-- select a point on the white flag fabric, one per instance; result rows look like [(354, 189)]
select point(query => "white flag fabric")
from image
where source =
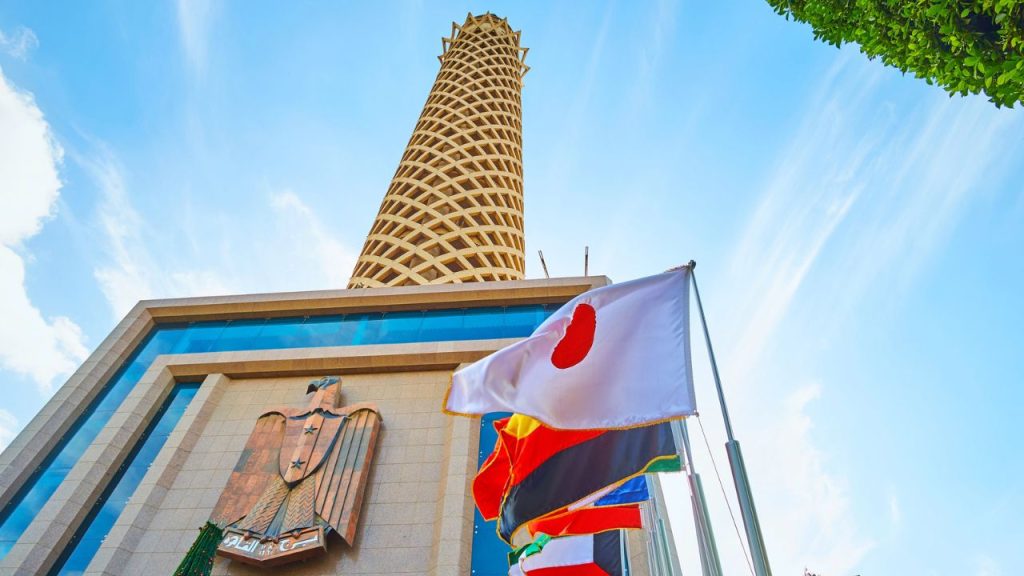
[(591, 554), (613, 357)]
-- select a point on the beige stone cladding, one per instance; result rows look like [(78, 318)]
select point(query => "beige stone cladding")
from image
[(405, 506), (418, 513), (454, 210)]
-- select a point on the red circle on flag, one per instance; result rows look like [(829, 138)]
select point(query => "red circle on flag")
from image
[(578, 339)]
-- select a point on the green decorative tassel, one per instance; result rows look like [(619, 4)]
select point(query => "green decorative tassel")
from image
[(199, 559)]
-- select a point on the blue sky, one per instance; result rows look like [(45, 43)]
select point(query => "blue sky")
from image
[(859, 234)]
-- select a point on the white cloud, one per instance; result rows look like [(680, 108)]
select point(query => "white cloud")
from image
[(19, 43), (807, 198), (313, 246), (9, 427), (803, 506), (878, 189), (816, 527), (133, 272), (986, 566), (29, 156), (292, 250), (194, 20), (30, 344), (895, 512)]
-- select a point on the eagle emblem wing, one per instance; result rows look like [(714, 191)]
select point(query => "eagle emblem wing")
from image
[(301, 475), (342, 479), (255, 469)]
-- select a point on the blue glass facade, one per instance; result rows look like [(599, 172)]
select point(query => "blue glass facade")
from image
[(259, 334), (490, 554), (105, 511)]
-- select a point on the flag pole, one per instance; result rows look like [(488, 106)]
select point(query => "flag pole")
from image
[(665, 560), (709, 561), (739, 471)]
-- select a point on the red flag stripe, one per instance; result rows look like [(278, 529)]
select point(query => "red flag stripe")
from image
[(588, 520)]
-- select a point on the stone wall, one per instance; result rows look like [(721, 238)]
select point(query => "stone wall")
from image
[(409, 498)]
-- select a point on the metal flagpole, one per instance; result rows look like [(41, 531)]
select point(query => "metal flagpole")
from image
[(732, 447), (623, 561), (710, 563), (663, 561), (655, 562)]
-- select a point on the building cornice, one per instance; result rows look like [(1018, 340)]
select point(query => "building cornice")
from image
[(322, 302)]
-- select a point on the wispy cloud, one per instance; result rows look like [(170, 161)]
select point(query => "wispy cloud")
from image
[(863, 192), (662, 22), (9, 427), (820, 176), (42, 348), (195, 18), (132, 272), (314, 247), (567, 149), (290, 249), (816, 528), (895, 513), (19, 43), (985, 566)]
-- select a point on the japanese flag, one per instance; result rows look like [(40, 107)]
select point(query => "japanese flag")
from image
[(614, 357)]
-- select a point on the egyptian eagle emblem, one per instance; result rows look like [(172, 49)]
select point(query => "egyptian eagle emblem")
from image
[(302, 475)]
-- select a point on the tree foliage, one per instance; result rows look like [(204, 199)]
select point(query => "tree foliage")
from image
[(965, 46)]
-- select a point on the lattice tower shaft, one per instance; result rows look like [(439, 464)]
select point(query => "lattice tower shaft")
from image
[(454, 210)]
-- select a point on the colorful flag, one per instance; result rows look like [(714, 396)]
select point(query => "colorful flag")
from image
[(614, 357), (588, 520), (611, 509), (588, 555), (535, 470)]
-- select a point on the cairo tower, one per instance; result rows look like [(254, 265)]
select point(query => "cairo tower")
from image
[(307, 426)]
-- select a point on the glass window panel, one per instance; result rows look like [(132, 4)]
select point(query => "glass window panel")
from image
[(321, 331), (113, 503), (163, 341), (126, 485), (440, 325), (400, 327), (32, 501), (134, 370), (199, 337), (79, 559), (164, 428), (84, 436), (76, 445), (520, 321), (166, 425), (123, 384), (239, 335), (353, 329), (279, 333), (368, 329), (349, 328), (43, 488), (481, 323), (186, 391), (104, 521), (18, 521), (151, 448)]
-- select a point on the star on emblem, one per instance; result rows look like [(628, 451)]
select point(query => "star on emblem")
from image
[(298, 463), (309, 429)]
